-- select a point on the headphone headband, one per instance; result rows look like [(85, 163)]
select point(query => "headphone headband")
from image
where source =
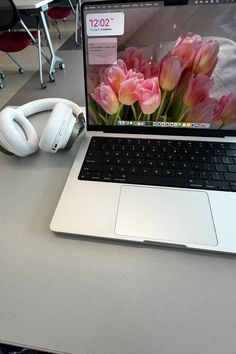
[(47, 104)]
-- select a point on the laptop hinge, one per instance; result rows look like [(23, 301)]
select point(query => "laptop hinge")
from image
[(175, 2)]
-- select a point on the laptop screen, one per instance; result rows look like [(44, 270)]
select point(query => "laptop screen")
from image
[(157, 67)]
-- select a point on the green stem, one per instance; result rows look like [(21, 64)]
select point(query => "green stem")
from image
[(148, 117), (181, 114), (140, 115), (117, 116), (134, 112), (162, 105), (170, 101)]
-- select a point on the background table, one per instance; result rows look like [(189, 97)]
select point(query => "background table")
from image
[(75, 295), (42, 6)]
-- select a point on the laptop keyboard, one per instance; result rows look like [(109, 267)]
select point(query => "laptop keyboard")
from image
[(174, 163)]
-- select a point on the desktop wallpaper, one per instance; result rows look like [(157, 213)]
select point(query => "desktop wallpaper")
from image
[(162, 66)]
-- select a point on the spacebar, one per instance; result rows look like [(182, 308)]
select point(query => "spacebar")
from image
[(157, 181)]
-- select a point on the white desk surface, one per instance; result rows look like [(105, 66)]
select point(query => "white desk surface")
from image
[(74, 295), (30, 4)]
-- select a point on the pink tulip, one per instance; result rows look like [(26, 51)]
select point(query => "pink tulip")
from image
[(116, 74), (198, 89), (203, 112), (149, 69), (134, 75), (106, 98), (186, 48), (206, 58), (132, 58), (128, 92), (170, 72), (227, 107), (149, 95), (128, 89)]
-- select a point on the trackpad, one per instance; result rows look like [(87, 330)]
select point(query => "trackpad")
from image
[(159, 214)]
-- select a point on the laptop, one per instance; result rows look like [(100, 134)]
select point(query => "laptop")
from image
[(157, 164)]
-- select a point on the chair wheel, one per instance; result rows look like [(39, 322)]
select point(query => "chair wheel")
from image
[(62, 66), (60, 36), (21, 70), (1, 86), (3, 76), (51, 77), (43, 85)]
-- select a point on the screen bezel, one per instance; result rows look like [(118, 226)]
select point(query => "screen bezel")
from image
[(134, 129)]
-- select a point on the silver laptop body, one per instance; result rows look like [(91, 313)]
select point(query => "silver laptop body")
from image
[(163, 73)]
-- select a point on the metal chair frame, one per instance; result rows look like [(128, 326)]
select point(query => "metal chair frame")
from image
[(15, 20)]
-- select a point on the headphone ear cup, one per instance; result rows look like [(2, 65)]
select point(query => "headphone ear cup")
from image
[(17, 135), (58, 128)]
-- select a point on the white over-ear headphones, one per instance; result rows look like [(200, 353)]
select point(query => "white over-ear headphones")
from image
[(18, 136)]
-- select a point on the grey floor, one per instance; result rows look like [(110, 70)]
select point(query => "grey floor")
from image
[(68, 84)]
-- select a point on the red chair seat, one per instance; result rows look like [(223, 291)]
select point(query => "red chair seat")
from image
[(15, 41), (59, 13)]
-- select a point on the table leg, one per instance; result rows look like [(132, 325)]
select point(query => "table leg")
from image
[(54, 57), (77, 23)]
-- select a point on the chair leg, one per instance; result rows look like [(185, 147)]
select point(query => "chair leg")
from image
[(21, 70), (72, 7), (57, 28)]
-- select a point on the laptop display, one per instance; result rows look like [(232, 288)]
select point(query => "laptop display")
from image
[(155, 68)]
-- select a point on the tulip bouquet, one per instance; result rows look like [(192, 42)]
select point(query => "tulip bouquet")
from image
[(177, 89)]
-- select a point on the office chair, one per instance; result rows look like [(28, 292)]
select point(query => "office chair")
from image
[(59, 13), (12, 41)]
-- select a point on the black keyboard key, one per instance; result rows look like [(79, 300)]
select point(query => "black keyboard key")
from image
[(108, 177), (84, 175), (157, 172), (233, 186), (230, 177), (119, 178), (95, 176), (217, 176), (223, 186), (231, 153), (231, 168), (221, 168), (197, 166), (205, 175), (215, 159), (210, 184), (227, 160), (196, 183), (180, 173), (208, 167), (144, 171), (193, 174), (168, 173), (232, 146), (220, 152)]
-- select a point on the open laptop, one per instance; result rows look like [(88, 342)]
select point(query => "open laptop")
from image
[(158, 161)]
